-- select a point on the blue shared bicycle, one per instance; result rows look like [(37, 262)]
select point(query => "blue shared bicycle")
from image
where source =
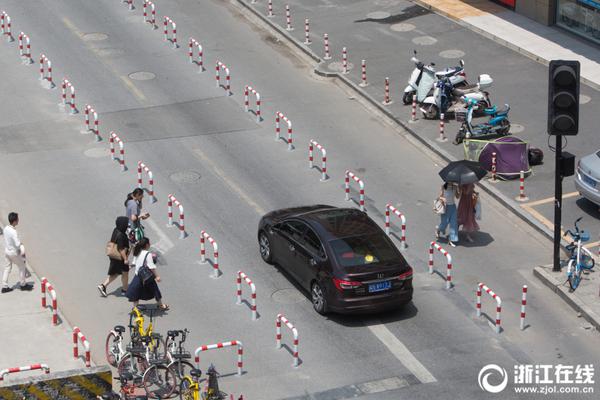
[(580, 258)]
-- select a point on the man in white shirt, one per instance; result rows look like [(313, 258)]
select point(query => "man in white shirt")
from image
[(14, 252)]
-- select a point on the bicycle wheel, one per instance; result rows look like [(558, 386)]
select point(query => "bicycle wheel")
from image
[(135, 365), (113, 354), (159, 382), (186, 389), (181, 368), (586, 260), (573, 275)]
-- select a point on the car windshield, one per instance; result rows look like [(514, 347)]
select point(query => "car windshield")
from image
[(363, 250)]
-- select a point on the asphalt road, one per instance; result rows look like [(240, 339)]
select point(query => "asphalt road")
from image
[(227, 170)]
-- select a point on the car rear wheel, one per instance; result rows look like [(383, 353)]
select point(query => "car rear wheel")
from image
[(318, 298), (265, 248)]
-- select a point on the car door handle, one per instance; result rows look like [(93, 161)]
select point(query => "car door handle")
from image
[(291, 247)]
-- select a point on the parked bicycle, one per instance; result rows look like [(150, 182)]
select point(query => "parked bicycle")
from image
[(189, 388), (177, 354), (138, 331), (114, 349), (580, 258)]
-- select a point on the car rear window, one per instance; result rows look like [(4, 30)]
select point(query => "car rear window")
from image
[(364, 250)]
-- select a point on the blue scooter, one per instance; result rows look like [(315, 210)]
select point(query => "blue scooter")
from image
[(497, 125)]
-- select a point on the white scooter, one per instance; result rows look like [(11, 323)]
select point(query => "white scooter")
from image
[(446, 97), (423, 77)]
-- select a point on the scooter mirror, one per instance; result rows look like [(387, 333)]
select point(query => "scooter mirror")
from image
[(432, 64), (462, 63), (415, 52)]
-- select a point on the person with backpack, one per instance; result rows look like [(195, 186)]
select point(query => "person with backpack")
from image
[(133, 211), (119, 257), (144, 285)]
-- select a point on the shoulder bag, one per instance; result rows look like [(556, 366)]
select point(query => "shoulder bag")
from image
[(145, 273), (439, 207), (113, 252)]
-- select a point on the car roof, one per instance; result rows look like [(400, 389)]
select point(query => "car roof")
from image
[(334, 223)]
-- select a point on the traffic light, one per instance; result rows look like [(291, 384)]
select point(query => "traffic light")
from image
[(563, 97)]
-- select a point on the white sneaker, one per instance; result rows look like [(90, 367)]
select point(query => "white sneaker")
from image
[(453, 244), (102, 290)]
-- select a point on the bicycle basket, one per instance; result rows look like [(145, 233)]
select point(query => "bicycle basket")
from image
[(460, 114), (181, 354)]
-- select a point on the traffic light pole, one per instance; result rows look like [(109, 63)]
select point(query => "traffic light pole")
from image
[(557, 203)]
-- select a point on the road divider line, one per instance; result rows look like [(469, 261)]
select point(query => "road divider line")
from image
[(164, 243), (401, 352), (549, 200)]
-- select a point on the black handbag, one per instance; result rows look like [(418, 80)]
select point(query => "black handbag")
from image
[(144, 273)]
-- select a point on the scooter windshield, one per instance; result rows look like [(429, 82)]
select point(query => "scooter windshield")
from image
[(425, 86)]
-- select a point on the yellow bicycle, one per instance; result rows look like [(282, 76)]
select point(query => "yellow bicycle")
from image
[(189, 388), (138, 331)]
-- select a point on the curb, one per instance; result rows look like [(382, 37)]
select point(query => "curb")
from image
[(495, 38), (504, 200), (548, 278)]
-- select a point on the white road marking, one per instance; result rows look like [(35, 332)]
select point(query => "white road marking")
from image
[(398, 349), (164, 244)]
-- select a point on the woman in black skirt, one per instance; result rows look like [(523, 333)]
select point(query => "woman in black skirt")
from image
[(145, 291), (118, 267)]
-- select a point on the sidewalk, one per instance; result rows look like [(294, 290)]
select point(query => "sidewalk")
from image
[(28, 336), (542, 43)]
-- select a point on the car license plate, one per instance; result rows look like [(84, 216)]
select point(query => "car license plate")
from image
[(589, 181), (379, 286)]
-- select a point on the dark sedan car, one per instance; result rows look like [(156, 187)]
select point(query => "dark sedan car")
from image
[(340, 255)]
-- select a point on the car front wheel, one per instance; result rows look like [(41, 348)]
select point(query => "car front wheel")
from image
[(318, 298), (265, 248)]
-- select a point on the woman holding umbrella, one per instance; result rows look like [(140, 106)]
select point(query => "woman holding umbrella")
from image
[(457, 173)]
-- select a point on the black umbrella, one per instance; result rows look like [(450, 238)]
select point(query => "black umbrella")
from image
[(463, 172)]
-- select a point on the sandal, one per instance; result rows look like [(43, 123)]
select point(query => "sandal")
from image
[(164, 307)]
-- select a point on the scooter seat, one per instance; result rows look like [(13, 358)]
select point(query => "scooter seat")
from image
[(464, 90), (493, 110)]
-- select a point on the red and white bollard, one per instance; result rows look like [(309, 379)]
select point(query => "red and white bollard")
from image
[(280, 318), (46, 287), (222, 345), (363, 74), (240, 276), (493, 180), (203, 238), (129, 4), (522, 196), (111, 142), (142, 168), (193, 44), (434, 245), (66, 84), (6, 26), (442, 137), (306, 32), (311, 145), (413, 111), (152, 19), (88, 110), (278, 117), (171, 200), (220, 66), (344, 61), (173, 39), (388, 208), (288, 18), (347, 175), (387, 100), (523, 305), (326, 44), (25, 48), (247, 91), (80, 337), (481, 287), (46, 71), (270, 8), (31, 367)]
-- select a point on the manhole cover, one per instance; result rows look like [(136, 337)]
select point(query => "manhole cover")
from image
[(337, 66), (424, 40), (185, 176), (516, 128), (288, 296), (95, 37), (452, 54), (142, 76), (583, 99), (97, 152), (378, 15), (402, 27)]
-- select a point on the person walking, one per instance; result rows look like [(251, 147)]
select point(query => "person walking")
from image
[(14, 253), (448, 193), (138, 289), (133, 211), (118, 267), (466, 210)]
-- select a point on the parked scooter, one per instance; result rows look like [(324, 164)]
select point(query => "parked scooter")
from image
[(446, 98), (423, 78), (498, 124)]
